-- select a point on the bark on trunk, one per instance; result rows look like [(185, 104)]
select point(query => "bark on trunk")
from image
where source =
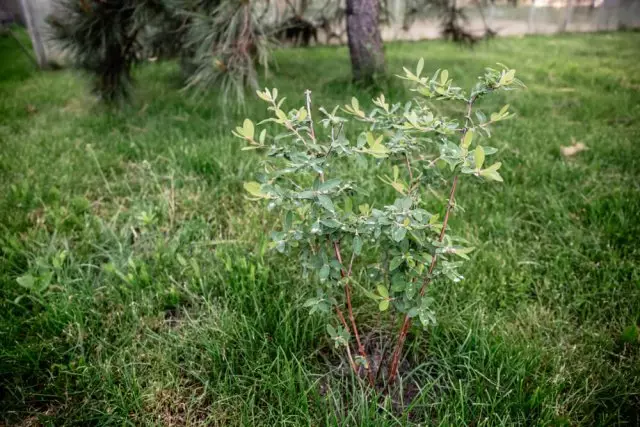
[(365, 42)]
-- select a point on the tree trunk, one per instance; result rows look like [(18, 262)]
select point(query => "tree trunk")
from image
[(365, 42)]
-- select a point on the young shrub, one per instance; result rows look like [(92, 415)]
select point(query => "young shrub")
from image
[(332, 226)]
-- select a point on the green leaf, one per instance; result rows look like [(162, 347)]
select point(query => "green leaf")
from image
[(331, 223), (255, 189), (396, 172), (288, 221), (398, 286), (248, 128), (355, 104), (494, 167), (508, 77), (382, 291), (311, 302), (406, 203), (444, 76), (348, 205), (398, 234), (326, 203), (266, 96), (462, 252), (324, 272), (399, 187), (420, 67), (281, 115), (27, 281), (468, 138), (395, 263), (370, 139), (329, 185), (305, 195), (376, 148), (383, 305), (478, 157), (492, 172), (357, 245), (504, 110), (491, 175), (331, 331), (425, 313), (410, 75)]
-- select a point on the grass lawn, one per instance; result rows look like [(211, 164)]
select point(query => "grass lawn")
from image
[(153, 300)]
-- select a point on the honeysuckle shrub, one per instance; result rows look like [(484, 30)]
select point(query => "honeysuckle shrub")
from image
[(344, 240)]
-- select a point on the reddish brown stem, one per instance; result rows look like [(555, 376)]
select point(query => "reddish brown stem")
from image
[(346, 327), (410, 170), (395, 360), (307, 94), (347, 295), (342, 319)]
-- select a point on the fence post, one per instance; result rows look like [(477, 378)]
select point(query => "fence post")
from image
[(34, 25), (532, 9)]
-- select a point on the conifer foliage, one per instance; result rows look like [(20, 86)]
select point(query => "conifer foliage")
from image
[(220, 42), (103, 38), (227, 40)]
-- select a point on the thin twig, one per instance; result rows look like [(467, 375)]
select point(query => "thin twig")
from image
[(351, 362), (342, 319), (409, 167), (308, 96), (353, 256), (347, 295), (346, 328)]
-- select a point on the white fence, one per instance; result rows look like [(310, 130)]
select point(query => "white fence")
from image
[(508, 20), (539, 17)]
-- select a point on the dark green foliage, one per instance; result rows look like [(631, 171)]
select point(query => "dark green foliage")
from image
[(227, 41), (220, 43), (103, 38)]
